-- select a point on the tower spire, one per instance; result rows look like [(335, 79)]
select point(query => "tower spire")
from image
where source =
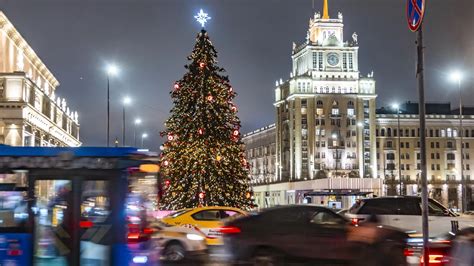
[(325, 10)]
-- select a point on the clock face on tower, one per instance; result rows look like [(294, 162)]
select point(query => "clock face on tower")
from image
[(333, 59)]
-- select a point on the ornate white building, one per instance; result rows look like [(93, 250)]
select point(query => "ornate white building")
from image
[(30, 112), (327, 135)]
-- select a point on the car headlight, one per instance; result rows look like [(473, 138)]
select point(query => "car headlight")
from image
[(194, 237)]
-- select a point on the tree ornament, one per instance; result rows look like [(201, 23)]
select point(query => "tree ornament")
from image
[(201, 195), (235, 132), (176, 86), (210, 98), (166, 163), (202, 65), (234, 109), (231, 89), (218, 158), (170, 137), (200, 131)]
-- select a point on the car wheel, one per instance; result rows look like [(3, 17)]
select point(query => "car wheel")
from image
[(174, 252), (266, 257)]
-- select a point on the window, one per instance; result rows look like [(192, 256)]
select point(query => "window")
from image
[(390, 156), (325, 217), (350, 112), (434, 209), (315, 60), (443, 133), (213, 215), (437, 145), (450, 156), (402, 145), (449, 144), (418, 156), (382, 132), (413, 133), (389, 144), (335, 111), (432, 145), (390, 207), (438, 167), (437, 156), (350, 61), (407, 145), (407, 156), (449, 132), (432, 156)]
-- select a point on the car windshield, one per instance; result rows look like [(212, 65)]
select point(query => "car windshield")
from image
[(177, 213)]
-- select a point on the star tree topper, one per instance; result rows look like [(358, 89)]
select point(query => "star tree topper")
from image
[(202, 18)]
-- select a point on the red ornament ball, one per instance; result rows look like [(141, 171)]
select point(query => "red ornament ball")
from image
[(210, 98), (201, 195), (234, 109), (201, 131), (166, 163), (170, 137), (176, 86), (202, 64), (235, 133)]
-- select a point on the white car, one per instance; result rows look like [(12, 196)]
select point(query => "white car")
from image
[(177, 243), (404, 212)]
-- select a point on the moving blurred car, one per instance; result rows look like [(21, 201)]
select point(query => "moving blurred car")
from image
[(405, 213), (312, 234), (207, 219), (177, 243)]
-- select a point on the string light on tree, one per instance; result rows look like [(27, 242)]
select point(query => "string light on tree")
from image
[(176, 86)]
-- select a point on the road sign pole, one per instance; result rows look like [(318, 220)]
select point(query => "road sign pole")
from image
[(421, 108)]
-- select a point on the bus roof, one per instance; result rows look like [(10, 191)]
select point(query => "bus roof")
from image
[(10, 151)]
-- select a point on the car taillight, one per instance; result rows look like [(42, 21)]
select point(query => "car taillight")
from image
[(148, 231), (435, 259), (408, 252), (229, 230), (356, 221)]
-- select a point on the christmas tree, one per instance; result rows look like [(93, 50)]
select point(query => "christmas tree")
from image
[(203, 159)]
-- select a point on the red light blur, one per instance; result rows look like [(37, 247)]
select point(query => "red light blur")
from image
[(229, 230), (15, 252), (148, 231), (408, 252), (86, 224)]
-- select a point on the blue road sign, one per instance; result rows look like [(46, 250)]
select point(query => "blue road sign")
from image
[(415, 13)]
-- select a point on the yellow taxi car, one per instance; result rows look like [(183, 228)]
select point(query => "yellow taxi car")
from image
[(207, 219)]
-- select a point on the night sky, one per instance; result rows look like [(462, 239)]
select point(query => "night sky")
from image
[(150, 39)]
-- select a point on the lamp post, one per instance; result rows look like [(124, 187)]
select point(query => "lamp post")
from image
[(144, 136), (126, 101), (456, 76), (361, 125), (397, 108), (335, 140), (112, 70), (137, 122)]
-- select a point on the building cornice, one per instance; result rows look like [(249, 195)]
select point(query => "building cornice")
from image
[(29, 53)]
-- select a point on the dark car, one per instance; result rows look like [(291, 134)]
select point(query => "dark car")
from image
[(310, 234)]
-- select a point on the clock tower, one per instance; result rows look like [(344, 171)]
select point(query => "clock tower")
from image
[(325, 124)]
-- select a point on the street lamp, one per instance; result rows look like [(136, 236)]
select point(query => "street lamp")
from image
[(112, 70), (456, 76), (137, 122), (396, 107), (126, 101), (334, 137), (144, 136)]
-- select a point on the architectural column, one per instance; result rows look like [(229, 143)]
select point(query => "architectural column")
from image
[(13, 134)]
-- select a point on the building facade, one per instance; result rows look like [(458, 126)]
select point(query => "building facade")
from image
[(328, 135), (30, 112)]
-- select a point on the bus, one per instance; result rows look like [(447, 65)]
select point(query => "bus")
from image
[(74, 206)]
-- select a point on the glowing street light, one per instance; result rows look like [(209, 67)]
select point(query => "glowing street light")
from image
[(126, 101), (144, 136), (457, 76), (112, 70), (136, 123)]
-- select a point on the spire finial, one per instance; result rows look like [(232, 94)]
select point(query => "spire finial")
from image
[(325, 10)]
